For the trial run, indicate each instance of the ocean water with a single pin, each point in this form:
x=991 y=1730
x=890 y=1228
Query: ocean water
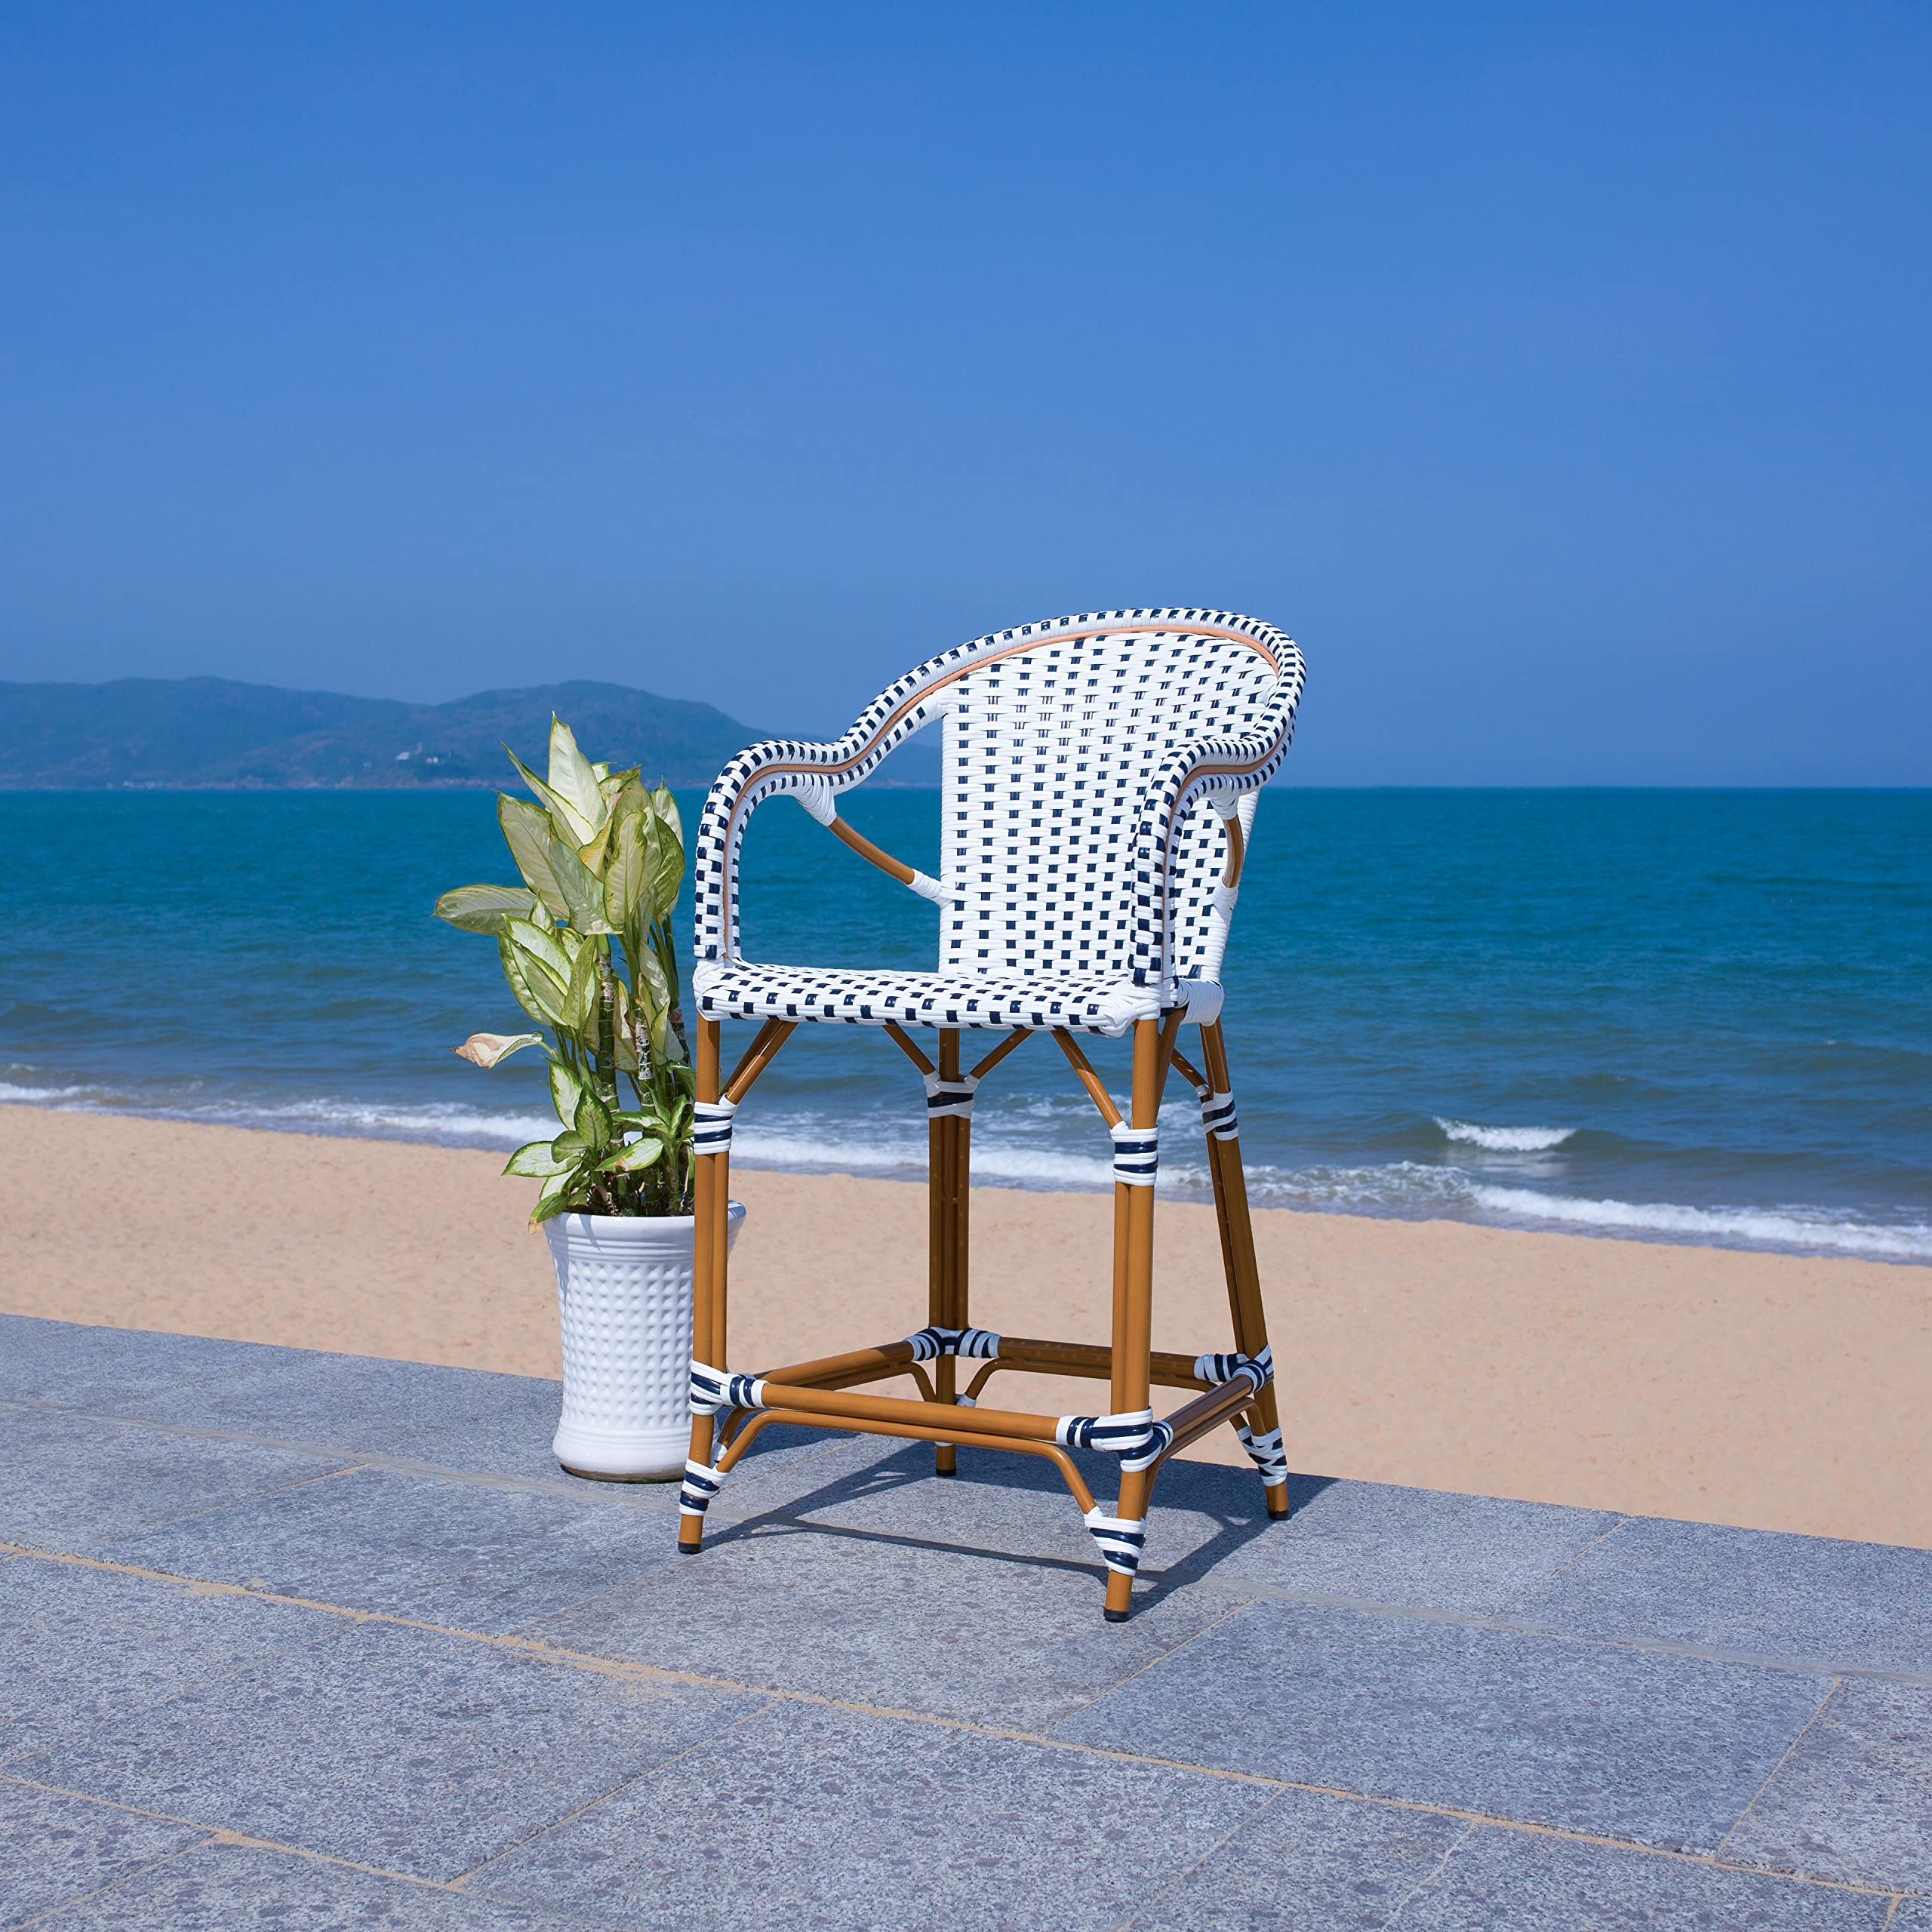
x=1698 y=1017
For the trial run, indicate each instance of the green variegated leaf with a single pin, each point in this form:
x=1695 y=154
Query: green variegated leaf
x=627 y=1048
x=535 y=992
x=582 y=891
x=633 y=1158
x=668 y=849
x=542 y=950
x=592 y=1123
x=482 y=909
x=595 y=854
x=666 y=809
x=565 y=1091
x=492 y=1049
x=574 y=779
x=557 y=1196
x=653 y=999
x=528 y=833
x=566 y=822
x=628 y=867
x=537 y=1161
x=580 y=999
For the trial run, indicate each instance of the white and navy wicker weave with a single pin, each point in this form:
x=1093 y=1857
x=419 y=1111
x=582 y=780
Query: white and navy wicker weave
x=1088 y=765
x=1100 y=774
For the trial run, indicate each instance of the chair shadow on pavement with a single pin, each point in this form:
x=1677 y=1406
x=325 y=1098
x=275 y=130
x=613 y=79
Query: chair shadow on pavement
x=1014 y=1508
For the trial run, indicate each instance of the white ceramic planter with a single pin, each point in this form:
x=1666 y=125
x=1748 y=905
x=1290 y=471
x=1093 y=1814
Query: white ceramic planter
x=624 y=1297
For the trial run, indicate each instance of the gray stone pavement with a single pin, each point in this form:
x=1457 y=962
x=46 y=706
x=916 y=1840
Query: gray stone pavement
x=307 y=1641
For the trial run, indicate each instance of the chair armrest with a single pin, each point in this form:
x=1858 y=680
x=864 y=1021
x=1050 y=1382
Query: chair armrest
x=1227 y=770
x=815 y=773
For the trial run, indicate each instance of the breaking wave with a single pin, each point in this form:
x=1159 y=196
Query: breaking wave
x=1784 y=1228
x=1505 y=1139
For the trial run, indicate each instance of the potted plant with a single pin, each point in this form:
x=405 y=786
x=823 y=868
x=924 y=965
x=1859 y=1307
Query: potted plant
x=587 y=947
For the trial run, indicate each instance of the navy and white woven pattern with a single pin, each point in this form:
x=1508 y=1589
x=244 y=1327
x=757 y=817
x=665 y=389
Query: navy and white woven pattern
x=1218 y=1115
x=1270 y=1458
x=1090 y=764
x=715 y=1388
x=1122 y=1539
x=1257 y=1370
x=950 y=1099
x=1135 y=1437
x=711 y=1126
x=865 y=996
x=701 y=1482
x=1136 y=1154
x=979 y=1344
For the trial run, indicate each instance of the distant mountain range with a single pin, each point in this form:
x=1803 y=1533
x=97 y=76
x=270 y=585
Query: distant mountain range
x=188 y=732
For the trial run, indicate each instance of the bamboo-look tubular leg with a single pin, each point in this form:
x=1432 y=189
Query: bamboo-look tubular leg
x=1243 y=1273
x=709 y=1189
x=1133 y=1298
x=947 y=1298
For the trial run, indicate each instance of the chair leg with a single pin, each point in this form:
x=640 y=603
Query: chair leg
x=1133 y=1304
x=1243 y=1275
x=711 y=1188
x=949 y=1146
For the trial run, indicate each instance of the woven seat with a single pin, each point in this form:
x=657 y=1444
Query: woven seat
x=865 y=997
x=1100 y=779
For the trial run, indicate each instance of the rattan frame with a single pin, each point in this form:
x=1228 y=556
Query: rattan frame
x=830 y=1393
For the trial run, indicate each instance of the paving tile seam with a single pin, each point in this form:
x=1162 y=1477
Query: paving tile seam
x=1784 y=1758
x=1242 y=1592
x=525 y=1646
x=1428 y=1878
x=120 y=1878
x=215 y=1834
x=147 y=1526
x=1233 y=1609
x=374 y=1459
x=720 y=1510
x=1255 y=1590
x=1575 y=1556
x=1140 y=1912
x=656 y=1674
x=703 y=1743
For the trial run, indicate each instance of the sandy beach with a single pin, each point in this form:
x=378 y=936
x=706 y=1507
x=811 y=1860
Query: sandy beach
x=1768 y=1391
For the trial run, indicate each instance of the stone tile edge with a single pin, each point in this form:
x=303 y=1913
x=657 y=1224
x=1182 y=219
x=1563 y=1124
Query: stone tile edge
x=654 y=1674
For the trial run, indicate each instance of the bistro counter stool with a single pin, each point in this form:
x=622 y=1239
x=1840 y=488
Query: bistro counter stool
x=1100 y=779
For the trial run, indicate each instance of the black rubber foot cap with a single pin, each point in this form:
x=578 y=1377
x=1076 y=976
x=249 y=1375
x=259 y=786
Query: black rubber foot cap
x=1116 y=1616
x=689 y=1548
x=945 y=1472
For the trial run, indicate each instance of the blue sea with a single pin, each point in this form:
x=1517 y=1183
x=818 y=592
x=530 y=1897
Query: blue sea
x=1678 y=1016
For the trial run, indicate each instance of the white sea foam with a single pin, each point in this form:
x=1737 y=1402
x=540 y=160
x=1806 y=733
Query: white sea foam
x=1505 y=1139
x=462 y=1126
x=465 y=1125
x=1411 y=1189
x=1763 y=1227
x=814 y=1146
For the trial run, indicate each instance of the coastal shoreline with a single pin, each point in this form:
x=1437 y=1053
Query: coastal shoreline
x=1769 y=1391
x=1479 y=1197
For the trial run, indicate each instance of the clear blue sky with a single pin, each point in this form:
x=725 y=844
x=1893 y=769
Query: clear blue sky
x=1557 y=374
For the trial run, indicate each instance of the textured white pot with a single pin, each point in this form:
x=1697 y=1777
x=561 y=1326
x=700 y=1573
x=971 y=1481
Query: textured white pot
x=624 y=1296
